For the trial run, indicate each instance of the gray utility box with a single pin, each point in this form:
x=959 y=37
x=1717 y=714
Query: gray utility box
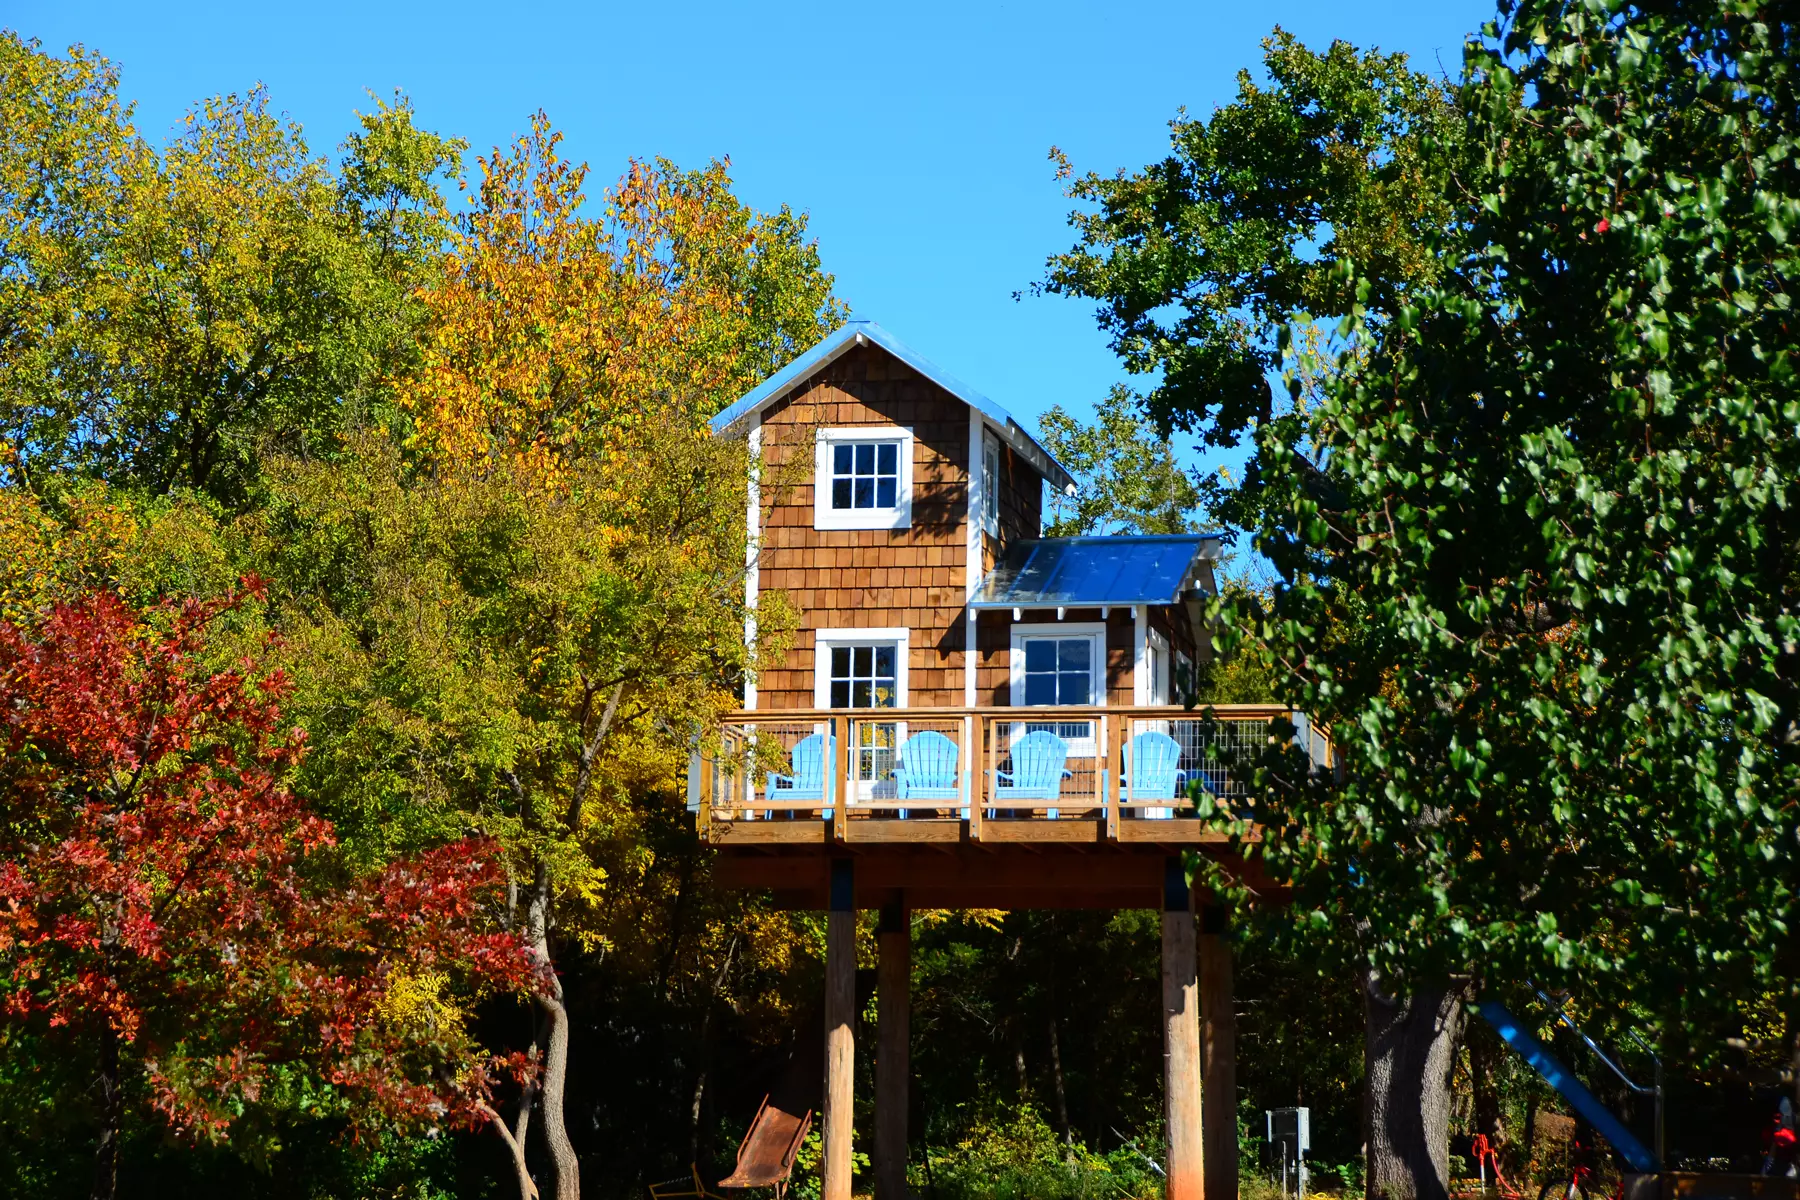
x=1289 y=1137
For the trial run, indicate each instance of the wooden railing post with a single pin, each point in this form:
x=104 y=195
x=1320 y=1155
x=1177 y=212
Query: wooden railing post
x=984 y=729
x=840 y=775
x=709 y=774
x=1115 y=762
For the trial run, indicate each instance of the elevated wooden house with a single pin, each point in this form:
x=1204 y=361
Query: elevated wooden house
x=972 y=715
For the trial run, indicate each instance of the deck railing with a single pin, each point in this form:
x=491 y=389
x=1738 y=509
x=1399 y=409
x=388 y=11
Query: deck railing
x=1123 y=763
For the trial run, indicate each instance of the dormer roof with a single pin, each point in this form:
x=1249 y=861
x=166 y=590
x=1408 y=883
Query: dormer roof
x=858 y=333
x=1088 y=572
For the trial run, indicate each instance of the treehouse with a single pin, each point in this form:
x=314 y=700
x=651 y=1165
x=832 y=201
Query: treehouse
x=972 y=715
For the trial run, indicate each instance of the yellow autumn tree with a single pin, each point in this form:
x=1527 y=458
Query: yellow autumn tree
x=552 y=330
x=524 y=612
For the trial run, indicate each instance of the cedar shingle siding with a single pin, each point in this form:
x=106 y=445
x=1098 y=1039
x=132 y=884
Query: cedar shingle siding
x=869 y=578
x=909 y=578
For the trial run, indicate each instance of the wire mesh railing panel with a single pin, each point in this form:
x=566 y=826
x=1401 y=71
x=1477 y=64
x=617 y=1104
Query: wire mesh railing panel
x=767 y=769
x=909 y=767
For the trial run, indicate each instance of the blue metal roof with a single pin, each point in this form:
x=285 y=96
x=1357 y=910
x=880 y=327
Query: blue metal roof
x=855 y=333
x=1088 y=572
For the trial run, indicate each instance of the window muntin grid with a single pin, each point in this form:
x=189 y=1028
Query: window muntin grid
x=865 y=676
x=865 y=475
x=1059 y=670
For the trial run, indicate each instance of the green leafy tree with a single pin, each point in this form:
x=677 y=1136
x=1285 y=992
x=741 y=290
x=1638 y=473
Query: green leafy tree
x=1126 y=477
x=1201 y=261
x=170 y=317
x=1558 y=494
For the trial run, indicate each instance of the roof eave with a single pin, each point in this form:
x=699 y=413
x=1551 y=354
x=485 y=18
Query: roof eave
x=856 y=333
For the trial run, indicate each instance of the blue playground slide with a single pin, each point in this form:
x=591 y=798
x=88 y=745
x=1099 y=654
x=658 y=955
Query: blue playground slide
x=1514 y=1034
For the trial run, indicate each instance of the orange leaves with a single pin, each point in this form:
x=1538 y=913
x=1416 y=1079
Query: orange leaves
x=551 y=329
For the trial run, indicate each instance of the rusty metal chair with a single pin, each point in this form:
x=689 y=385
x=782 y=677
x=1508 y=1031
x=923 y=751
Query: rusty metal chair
x=766 y=1155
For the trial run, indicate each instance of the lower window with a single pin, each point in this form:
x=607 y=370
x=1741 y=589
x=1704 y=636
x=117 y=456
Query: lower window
x=1064 y=665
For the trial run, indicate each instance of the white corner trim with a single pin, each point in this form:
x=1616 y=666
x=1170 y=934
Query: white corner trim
x=827 y=517
x=972 y=556
x=825 y=639
x=753 y=547
x=1022 y=630
x=1140 y=642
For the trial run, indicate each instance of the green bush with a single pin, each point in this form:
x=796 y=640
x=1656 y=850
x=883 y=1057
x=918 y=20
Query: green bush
x=1015 y=1155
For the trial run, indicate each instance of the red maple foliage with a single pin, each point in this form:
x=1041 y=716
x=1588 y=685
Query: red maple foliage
x=156 y=893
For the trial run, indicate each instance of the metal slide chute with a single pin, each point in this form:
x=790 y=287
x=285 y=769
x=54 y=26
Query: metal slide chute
x=1514 y=1034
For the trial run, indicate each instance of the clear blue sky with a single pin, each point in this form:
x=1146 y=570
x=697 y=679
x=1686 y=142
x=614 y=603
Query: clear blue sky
x=915 y=134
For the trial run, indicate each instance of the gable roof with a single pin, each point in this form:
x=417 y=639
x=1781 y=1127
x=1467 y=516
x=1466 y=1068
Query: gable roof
x=857 y=333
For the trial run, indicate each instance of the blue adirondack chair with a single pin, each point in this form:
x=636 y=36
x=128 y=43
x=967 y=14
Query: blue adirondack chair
x=1150 y=772
x=927 y=769
x=1037 y=774
x=811 y=778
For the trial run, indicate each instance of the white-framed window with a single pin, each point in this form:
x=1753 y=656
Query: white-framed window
x=863 y=478
x=864 y=669
x=1156 y=668
x=990 y=483
x=1055 y=665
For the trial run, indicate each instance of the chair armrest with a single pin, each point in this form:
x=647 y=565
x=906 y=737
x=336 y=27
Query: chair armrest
x=1068 y=774
x=788 y=780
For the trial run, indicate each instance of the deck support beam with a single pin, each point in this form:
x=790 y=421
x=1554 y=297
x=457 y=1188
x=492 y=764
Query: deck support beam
x=1181 y=1037
x=1218 y=1058
x=840 y=1032
x=893 y=1050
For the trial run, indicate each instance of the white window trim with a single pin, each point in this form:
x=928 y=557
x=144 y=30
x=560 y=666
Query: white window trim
x=825 y=639
x=1157 y=649
x=1095 y=630
x=827 y=517
x=990 y=484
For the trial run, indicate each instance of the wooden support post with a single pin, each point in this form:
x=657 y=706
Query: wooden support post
x=1181 y=1037
x=840 y=1030
x=893 y=1050
x=1218 y=1058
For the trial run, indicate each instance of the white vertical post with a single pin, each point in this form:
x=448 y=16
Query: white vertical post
x=1140 y=653
x=972 y=556
x=752 y=547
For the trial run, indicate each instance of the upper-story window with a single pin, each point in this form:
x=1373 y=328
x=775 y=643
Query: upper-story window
x=990 y=484
x=864 y=478
x=865 y=475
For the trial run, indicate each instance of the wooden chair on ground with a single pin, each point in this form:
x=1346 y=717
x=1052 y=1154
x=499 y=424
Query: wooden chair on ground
x=927 y=769
x=1037 y=770
x=766 y=1155
x=1151 y=773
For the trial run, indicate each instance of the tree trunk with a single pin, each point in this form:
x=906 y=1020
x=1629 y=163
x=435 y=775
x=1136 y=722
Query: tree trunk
x=112 y=1107
x=1062 y=1096
x=1483 y=1059
x=565 y=1167
x=1409 y=1055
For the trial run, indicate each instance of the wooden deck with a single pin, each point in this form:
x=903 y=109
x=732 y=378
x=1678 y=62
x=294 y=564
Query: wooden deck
x=1097 y=845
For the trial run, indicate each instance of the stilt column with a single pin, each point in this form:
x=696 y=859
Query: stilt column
x=893 y=1050
x=840 y=1032
x=1181 y=1038
x=1218 y=1058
